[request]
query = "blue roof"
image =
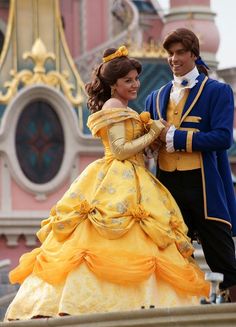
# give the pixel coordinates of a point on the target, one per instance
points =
(145, 6)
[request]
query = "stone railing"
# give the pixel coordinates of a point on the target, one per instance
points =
(217, 315)
(88, 60)
(7, 291)
(4, 303)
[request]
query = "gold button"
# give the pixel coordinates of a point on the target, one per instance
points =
(176, 112)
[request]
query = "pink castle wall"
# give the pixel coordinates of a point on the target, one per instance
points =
(4, 13)
(22, 200)
(13, 253)
(96, 22)
(70, 14)
(84, 161)
(154, 31)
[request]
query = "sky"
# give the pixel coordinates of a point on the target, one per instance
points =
(226, 22)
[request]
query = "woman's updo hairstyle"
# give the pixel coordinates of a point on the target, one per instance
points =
(116, 64)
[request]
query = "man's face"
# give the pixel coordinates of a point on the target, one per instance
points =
(181, 61)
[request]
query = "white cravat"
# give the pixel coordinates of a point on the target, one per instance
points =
(177, 90)
(176, 94)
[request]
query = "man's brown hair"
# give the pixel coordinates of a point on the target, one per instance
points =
(184, 36)
(190, 42)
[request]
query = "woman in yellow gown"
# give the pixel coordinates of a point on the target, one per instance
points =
(116, 240)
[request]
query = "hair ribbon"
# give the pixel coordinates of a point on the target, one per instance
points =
(199, 61)
(122, 51)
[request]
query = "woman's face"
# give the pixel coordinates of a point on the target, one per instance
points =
(126, 88)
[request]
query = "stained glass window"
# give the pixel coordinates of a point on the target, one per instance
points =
(39, 142)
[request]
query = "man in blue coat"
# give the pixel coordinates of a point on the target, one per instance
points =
(192, 160)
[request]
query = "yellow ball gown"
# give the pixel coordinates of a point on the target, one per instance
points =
(115, 241)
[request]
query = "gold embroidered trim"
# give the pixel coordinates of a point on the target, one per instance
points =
(192, 119)
(205, 200)
(189, 142)
(195, 100)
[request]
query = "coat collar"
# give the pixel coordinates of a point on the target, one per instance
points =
(164, 95)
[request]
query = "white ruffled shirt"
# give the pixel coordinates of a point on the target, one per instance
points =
(176, 94)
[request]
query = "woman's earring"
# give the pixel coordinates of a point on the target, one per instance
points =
(112, 91)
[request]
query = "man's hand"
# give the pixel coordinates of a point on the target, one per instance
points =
(162, 136)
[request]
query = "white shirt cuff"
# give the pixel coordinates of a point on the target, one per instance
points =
(170, 139)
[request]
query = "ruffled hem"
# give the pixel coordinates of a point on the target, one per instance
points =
(123, 269)
(83, 292)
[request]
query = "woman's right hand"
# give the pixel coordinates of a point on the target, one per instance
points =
(157, 127)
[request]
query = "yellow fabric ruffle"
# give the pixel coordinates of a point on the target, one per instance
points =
(83, 293)
(120, 268)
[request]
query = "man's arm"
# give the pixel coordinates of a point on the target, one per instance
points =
(219, 137)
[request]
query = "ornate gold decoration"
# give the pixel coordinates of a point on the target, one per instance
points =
(39, 56)
(147, 50)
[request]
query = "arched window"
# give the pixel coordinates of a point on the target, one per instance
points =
(39, 142)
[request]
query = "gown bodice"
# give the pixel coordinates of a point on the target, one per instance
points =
(133, 130)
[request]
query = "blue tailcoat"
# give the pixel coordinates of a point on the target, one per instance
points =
(212, 103)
